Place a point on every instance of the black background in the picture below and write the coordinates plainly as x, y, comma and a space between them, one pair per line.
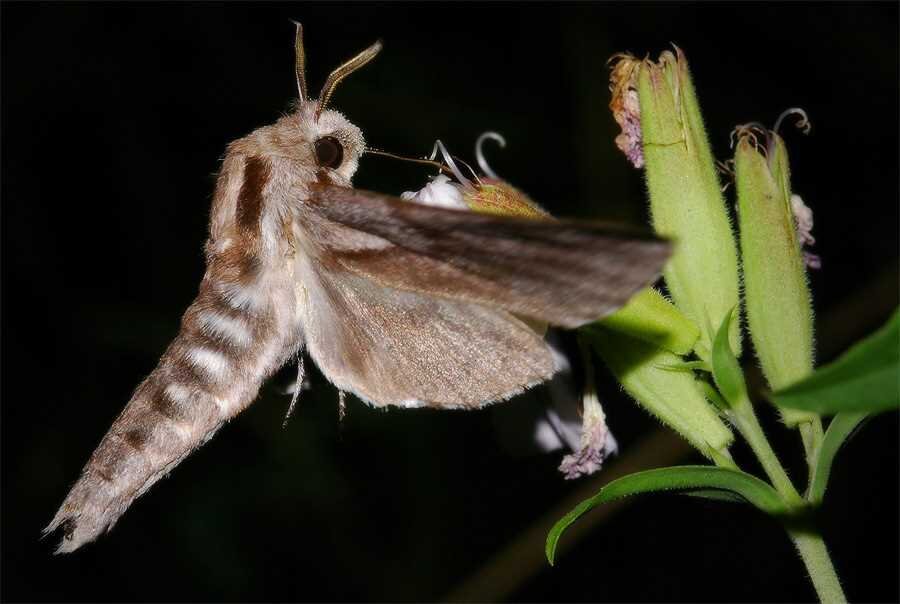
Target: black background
114, 120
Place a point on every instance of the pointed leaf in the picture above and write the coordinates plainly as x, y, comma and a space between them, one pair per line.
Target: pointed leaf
726, 369
680, 478
840, 428
713, 395
686, 366
866, 378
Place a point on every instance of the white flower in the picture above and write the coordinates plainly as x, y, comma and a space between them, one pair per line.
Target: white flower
440, 192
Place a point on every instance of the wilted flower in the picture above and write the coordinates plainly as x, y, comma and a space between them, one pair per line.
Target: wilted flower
803, 217
626, 107
596, 441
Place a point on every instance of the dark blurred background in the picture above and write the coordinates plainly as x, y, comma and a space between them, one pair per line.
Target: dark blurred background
114, 119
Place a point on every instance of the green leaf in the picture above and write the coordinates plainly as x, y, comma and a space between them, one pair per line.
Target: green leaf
680, 478
840, 428
686, 366
866, 378
713, 395
726, 370
726, 496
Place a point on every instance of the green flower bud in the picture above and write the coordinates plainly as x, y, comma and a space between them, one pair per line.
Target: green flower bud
776, 294
686, 202
674, 397
494, 196
648, 316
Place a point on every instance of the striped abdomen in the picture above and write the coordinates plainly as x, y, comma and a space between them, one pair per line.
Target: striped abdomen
233, 336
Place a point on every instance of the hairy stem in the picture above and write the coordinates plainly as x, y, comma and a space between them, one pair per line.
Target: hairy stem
818, 563
722, 458
744, 419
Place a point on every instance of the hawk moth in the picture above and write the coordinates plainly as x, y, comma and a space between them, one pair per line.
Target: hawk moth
399, 303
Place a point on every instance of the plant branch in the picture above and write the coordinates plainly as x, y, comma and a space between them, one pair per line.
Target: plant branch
744, 419
818, 563
811, 433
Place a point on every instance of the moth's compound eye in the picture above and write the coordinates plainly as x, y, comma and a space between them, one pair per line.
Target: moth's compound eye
329, 152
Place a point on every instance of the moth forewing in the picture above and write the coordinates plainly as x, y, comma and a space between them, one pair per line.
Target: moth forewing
564, 272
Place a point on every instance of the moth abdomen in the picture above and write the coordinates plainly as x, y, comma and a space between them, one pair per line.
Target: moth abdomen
211, 371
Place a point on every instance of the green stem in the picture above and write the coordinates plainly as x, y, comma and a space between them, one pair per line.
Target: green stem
722, 458
811, 433
745, 421
818, 563
808, 542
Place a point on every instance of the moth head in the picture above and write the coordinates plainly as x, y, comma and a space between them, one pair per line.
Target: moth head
334, 143
312, 143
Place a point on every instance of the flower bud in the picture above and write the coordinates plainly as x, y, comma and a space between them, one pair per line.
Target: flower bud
776, 294
686, 202
672, 396
648, 316
494, 196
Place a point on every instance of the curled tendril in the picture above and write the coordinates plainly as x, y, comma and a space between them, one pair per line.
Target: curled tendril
451, 163
803, 123
479, 154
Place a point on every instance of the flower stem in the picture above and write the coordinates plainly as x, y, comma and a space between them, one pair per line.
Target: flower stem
744, 419
809, 542
818, 563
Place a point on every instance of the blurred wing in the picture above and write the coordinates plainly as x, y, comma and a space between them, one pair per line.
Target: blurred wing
563, 272
393, 347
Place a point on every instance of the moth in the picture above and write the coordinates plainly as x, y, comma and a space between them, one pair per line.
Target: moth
398, 303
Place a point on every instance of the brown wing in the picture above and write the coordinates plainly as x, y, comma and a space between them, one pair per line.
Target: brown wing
563, 272
393, 347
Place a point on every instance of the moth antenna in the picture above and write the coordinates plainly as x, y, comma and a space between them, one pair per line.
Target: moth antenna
451, 162
479, 154
342, 71
298, 386
300, 63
